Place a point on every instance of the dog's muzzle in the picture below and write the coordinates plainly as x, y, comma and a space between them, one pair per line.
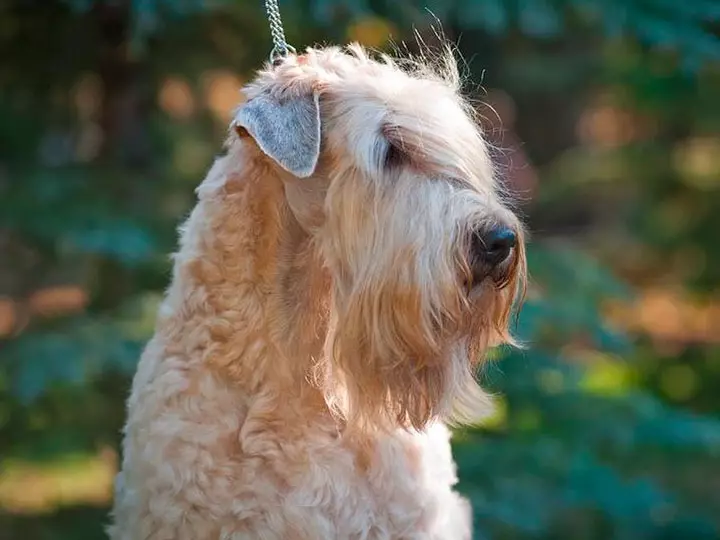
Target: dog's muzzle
491, 253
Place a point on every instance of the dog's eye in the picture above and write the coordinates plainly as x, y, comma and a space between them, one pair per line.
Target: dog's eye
394, 157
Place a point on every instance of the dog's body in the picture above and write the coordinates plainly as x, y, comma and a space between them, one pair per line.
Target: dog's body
320, 328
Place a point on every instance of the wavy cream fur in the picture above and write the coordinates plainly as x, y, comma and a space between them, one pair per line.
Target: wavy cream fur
317, 333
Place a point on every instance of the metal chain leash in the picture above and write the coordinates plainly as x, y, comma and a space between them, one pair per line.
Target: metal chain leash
280, 47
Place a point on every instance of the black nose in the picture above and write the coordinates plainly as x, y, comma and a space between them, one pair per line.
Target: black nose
493, 246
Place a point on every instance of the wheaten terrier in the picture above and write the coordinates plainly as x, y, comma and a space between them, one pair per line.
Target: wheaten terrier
349, 263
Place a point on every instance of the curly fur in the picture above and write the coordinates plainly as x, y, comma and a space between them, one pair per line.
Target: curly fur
319, 332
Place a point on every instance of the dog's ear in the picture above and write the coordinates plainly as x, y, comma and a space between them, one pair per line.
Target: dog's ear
287, 130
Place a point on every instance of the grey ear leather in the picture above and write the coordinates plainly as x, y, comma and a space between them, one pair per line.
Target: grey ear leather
287, 130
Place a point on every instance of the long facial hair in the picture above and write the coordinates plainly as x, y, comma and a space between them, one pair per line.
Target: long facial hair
405, 336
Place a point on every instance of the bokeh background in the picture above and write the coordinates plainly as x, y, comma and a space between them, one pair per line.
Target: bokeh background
605, 118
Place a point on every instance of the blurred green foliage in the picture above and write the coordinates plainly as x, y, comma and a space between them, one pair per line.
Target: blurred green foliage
111, 111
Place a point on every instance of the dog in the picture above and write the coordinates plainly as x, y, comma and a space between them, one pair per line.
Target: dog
351, 259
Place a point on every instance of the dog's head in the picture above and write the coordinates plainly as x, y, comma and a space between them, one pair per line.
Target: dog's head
385, 167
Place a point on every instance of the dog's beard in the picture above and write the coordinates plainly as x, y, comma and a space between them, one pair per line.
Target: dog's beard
406, 335
397, 361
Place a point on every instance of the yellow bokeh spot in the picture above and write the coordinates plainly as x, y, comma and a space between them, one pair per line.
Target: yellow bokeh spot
698, 161
371, 31
607, 375
498, 418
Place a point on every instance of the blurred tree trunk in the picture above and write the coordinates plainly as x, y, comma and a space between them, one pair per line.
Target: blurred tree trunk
122, 124
123, 111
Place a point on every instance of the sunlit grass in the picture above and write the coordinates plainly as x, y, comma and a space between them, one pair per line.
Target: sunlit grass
37, 488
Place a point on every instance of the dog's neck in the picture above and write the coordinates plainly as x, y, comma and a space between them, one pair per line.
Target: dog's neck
249, 295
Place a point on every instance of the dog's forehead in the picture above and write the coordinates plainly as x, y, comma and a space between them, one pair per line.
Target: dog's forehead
395, 97
366, 100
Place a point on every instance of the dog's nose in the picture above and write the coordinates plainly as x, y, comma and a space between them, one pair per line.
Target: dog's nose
493, 246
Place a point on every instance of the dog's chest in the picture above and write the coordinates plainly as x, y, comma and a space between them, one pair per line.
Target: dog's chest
212, 471
398, 487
